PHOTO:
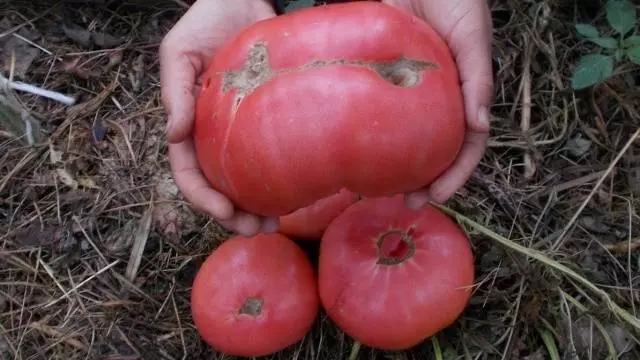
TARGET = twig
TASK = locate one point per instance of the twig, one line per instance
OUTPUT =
(75, 288)
(355, 350)
(625, 246)
(181, 3)
(525, 119)
(560, 239)
(541, 257)
(32, 89)
(613, 354)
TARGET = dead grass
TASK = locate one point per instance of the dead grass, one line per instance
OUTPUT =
(97, 251)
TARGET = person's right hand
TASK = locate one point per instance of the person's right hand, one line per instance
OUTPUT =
(466, 27)
(185, 53)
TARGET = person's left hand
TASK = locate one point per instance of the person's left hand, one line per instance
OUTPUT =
(184, 55)
(466, 27)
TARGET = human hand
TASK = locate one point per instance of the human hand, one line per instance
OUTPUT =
(466, 27)
(185, 53)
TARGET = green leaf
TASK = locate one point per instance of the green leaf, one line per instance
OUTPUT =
(634, 54)
(632, 41)
(621, 15)
(592, 69)
(605, 42)
(587, 30)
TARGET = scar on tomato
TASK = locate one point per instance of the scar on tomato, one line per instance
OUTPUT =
(252, 307)
(403, 71)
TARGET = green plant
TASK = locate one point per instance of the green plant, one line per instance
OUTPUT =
(595, 68)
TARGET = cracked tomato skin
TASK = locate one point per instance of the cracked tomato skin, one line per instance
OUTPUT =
(269, 268)
(394, 306)
(310, 222)
(304, 130)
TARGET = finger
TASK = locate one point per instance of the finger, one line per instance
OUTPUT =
(470, 43)
(192, 183)
(466, 26)
(246, 224)
(178, 73)
(270, 224)
(243, 224)
(181, 62)
(456, 176)
(189, 46)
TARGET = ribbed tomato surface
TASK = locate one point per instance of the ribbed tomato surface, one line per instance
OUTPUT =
(361, 95)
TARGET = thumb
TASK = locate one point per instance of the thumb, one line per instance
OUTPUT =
(470, 42)
(178, 72)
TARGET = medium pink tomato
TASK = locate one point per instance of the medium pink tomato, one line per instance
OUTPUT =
(390, 276)
(255, 296)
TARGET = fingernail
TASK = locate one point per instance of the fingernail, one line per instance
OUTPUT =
(483, 117)
(416, 200)
(270, 225)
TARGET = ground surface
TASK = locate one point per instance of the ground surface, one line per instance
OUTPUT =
(89, 269)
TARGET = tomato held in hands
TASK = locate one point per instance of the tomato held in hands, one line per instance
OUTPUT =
(255, 296)
(361, 95)
(310, 222)
(390, 276)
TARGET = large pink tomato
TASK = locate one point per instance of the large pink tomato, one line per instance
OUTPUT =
(361, 95)
(390, 276)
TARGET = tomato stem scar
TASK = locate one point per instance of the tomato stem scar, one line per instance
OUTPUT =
(395, 246)
(252, 306)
